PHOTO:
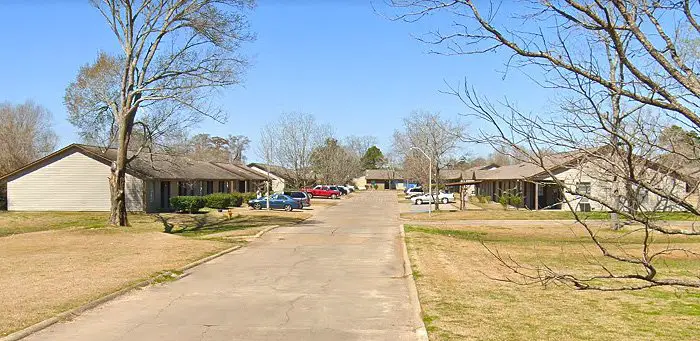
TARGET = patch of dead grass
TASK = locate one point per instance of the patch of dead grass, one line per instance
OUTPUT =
(45, 273)
(461, 301)
(75, 258)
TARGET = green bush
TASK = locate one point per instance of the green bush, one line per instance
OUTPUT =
(516, 200)
(503, 200)
(191, 204)
(510, 198)
(219, 200)
(236, 199)
(250, 196)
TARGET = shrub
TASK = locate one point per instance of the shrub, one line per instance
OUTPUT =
(249, 196)
(483, 199)
(516, 200)
(236, 199)
(191, 204)
(503, 200)
(218, 200)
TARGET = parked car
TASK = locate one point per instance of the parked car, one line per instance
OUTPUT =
(350, 188)
(277, 201)
(412, 192)
(441, 197)
(341, 189)
(301, 197)
(322, 191)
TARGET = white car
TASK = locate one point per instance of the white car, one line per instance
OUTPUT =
(444, 198)
(412, 192)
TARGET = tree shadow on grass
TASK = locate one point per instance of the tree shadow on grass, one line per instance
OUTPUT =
(199, 225)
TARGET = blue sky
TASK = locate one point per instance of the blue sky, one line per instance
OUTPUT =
(338, 60)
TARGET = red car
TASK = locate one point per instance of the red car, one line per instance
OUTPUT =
(322, 191)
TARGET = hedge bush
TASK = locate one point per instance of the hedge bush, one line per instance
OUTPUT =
(236, 199)
(191, 204)
(219, 200)
(250, 196)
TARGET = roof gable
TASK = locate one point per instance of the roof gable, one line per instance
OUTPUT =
(147, 165)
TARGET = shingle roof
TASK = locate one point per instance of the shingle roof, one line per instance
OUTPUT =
(242, 170)
(151, 165)
(383, 174)
(450, 174)
(278, 171)
(173, 167)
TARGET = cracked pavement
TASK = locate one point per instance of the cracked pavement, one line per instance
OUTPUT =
(339, 276)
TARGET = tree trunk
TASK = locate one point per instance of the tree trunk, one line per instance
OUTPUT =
(117, 181)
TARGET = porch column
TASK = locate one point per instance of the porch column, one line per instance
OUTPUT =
(537, 197)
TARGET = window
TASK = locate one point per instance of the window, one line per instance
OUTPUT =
(223, 187)
(183, 188)
(583, 189)
(209, 189)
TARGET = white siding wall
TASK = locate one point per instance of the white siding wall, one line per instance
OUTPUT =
(278, 183)
(604, 190)
(72, 183)
(360, 183)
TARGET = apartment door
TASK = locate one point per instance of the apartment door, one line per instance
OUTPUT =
(165, 194)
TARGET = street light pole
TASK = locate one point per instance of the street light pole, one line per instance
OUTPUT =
(430, 178)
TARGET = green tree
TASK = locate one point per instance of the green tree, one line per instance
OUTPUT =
(373, 158)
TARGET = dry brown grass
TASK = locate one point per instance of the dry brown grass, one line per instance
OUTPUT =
(23, 222)
(45, 273)
(74, 258)
(461, 301)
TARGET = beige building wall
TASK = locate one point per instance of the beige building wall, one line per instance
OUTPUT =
(360, 183)
(277, 184)
(72, 183)
(606, 190)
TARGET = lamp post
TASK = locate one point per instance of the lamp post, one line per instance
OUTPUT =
(430, 178)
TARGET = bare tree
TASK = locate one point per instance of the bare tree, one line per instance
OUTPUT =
(173, 53)
(626, 72)
(358, 145)
(334, 163)
(237, 145)
(436, 136)
(25, 136)
(292, 139)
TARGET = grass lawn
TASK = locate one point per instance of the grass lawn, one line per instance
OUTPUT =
(55, 261)
(461, 300)
(500, 214)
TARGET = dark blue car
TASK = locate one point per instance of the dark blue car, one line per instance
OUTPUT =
(278, 201)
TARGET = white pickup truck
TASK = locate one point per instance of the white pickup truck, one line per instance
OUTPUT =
(441, 197)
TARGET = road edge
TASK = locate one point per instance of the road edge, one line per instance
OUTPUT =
(75, 312)
(421, 331)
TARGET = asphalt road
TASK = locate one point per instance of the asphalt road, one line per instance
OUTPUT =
(339, 276)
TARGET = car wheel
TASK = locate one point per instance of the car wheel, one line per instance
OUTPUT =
(288, 208)
(333, 196)
(257, 206)
(419, 202)
(445, 200)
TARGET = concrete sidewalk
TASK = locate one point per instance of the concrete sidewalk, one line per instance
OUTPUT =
(339, 276)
